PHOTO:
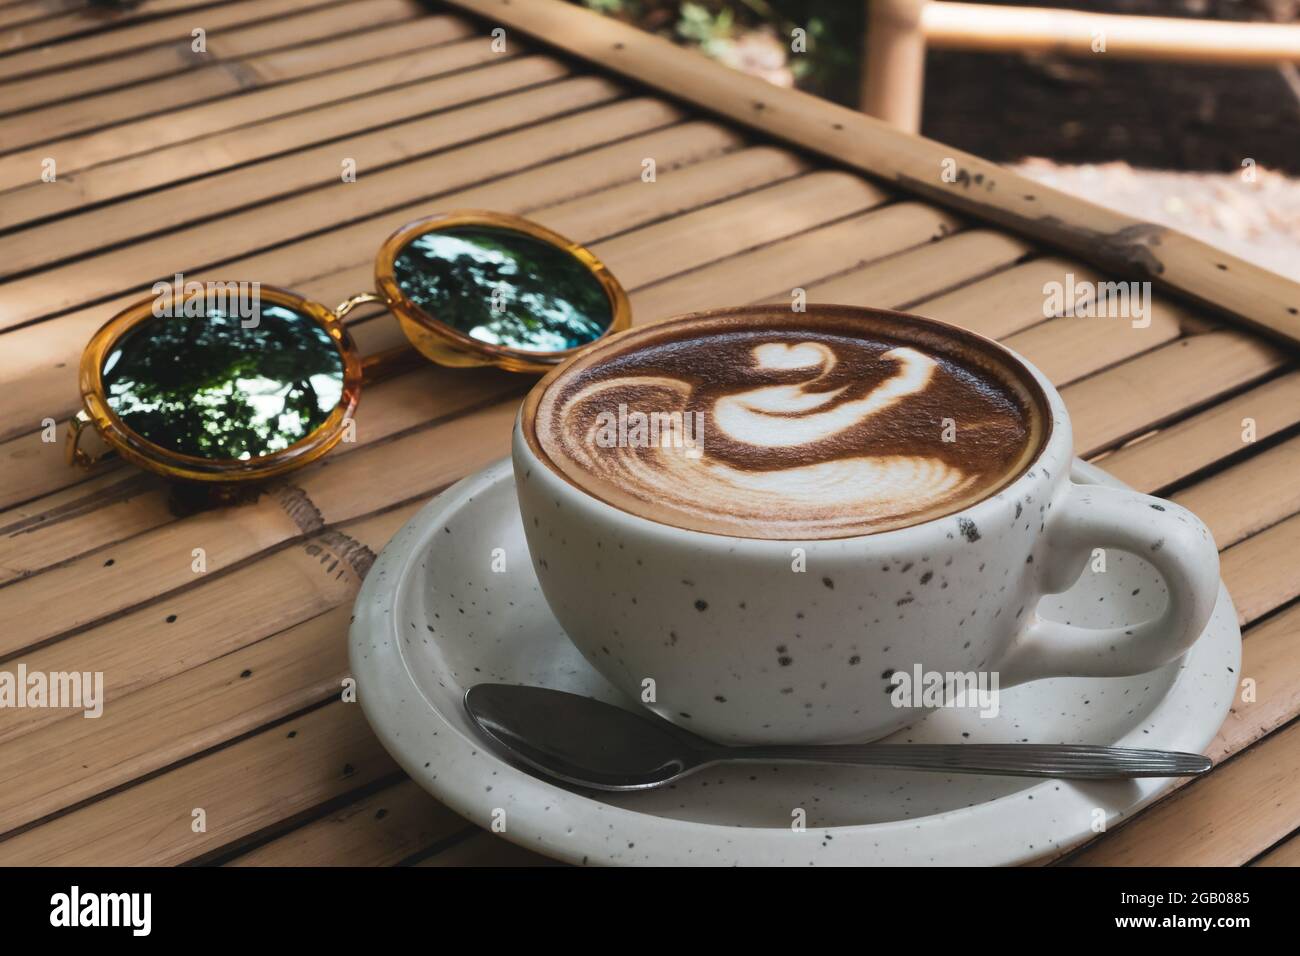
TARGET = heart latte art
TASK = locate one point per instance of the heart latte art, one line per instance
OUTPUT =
(790, 426)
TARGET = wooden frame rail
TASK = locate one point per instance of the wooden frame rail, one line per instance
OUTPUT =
(900, 31)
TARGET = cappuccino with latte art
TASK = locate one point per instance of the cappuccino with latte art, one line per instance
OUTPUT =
(765, 423)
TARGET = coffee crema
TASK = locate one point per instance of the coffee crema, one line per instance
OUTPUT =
(762, 423)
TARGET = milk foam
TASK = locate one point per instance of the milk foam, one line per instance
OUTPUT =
(806, 435)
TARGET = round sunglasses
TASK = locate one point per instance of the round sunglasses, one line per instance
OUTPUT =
(226, 382)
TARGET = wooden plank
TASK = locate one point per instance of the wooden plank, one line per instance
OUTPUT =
(1224, 819)
(900, 280)
(74, 759)
(25, 11)
(206, 75)
(765, 215)
(205, 246)
(1145, 392)
(1267, 480)
(776, 269)
(1114, 242)
(379, 830)
(284, 590)
(1217, 433)
(223, 148)
(1270, 662)
(442, 121)
(1070, 348)
(1008, 301)
(1284, 854)
(242, 789)
(145, 569)
(48, 29)
(180, 692)
(305, 26)
(484, 849)
(98, 43)
(1262, 570)
(24, 166)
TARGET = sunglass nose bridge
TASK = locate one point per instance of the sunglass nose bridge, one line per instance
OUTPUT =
(350, 303)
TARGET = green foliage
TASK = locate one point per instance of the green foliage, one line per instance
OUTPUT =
(834, 31)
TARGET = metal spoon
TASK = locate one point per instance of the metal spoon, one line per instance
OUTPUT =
(593, 744)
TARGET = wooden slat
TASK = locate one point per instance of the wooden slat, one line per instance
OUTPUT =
(763, 216)
(1263, 570)
(1069, 348)
(207, 245)
(1255, 480)
(379, 830)
(484, 849)
(775, 270)
(282, 591)
(1117, 243)
(253, 784)
(26, 11)
(1209, 436)
(1285, 854)
(1269, 660)
(152, 565)
(246, 143)
(94, 112)
(302, 26)
(74, 759)
(1143, 393)
(1223, 820)
(445, 123)
(51, 28)
(180, 692)
(23, 167)
(901, 279)
(131, 33)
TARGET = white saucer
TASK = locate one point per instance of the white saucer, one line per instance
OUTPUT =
(433, 618)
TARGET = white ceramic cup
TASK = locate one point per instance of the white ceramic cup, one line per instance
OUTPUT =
(726, 637)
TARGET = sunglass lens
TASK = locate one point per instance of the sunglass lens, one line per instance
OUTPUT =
(225, 384)
(504, 287)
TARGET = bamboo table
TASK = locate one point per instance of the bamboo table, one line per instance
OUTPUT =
(224, 738)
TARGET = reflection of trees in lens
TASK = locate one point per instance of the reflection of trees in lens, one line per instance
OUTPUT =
(504, 287)
(208, 387)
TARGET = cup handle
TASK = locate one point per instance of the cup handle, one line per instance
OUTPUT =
(1170, 537)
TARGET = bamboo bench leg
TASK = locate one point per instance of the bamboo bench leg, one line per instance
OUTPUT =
(893, 73)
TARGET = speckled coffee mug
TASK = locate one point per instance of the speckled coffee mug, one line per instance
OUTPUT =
(754, 640)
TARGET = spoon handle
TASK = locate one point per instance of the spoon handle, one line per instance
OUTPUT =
(1067, 761)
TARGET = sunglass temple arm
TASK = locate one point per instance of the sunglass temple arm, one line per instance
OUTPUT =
(76, 456)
